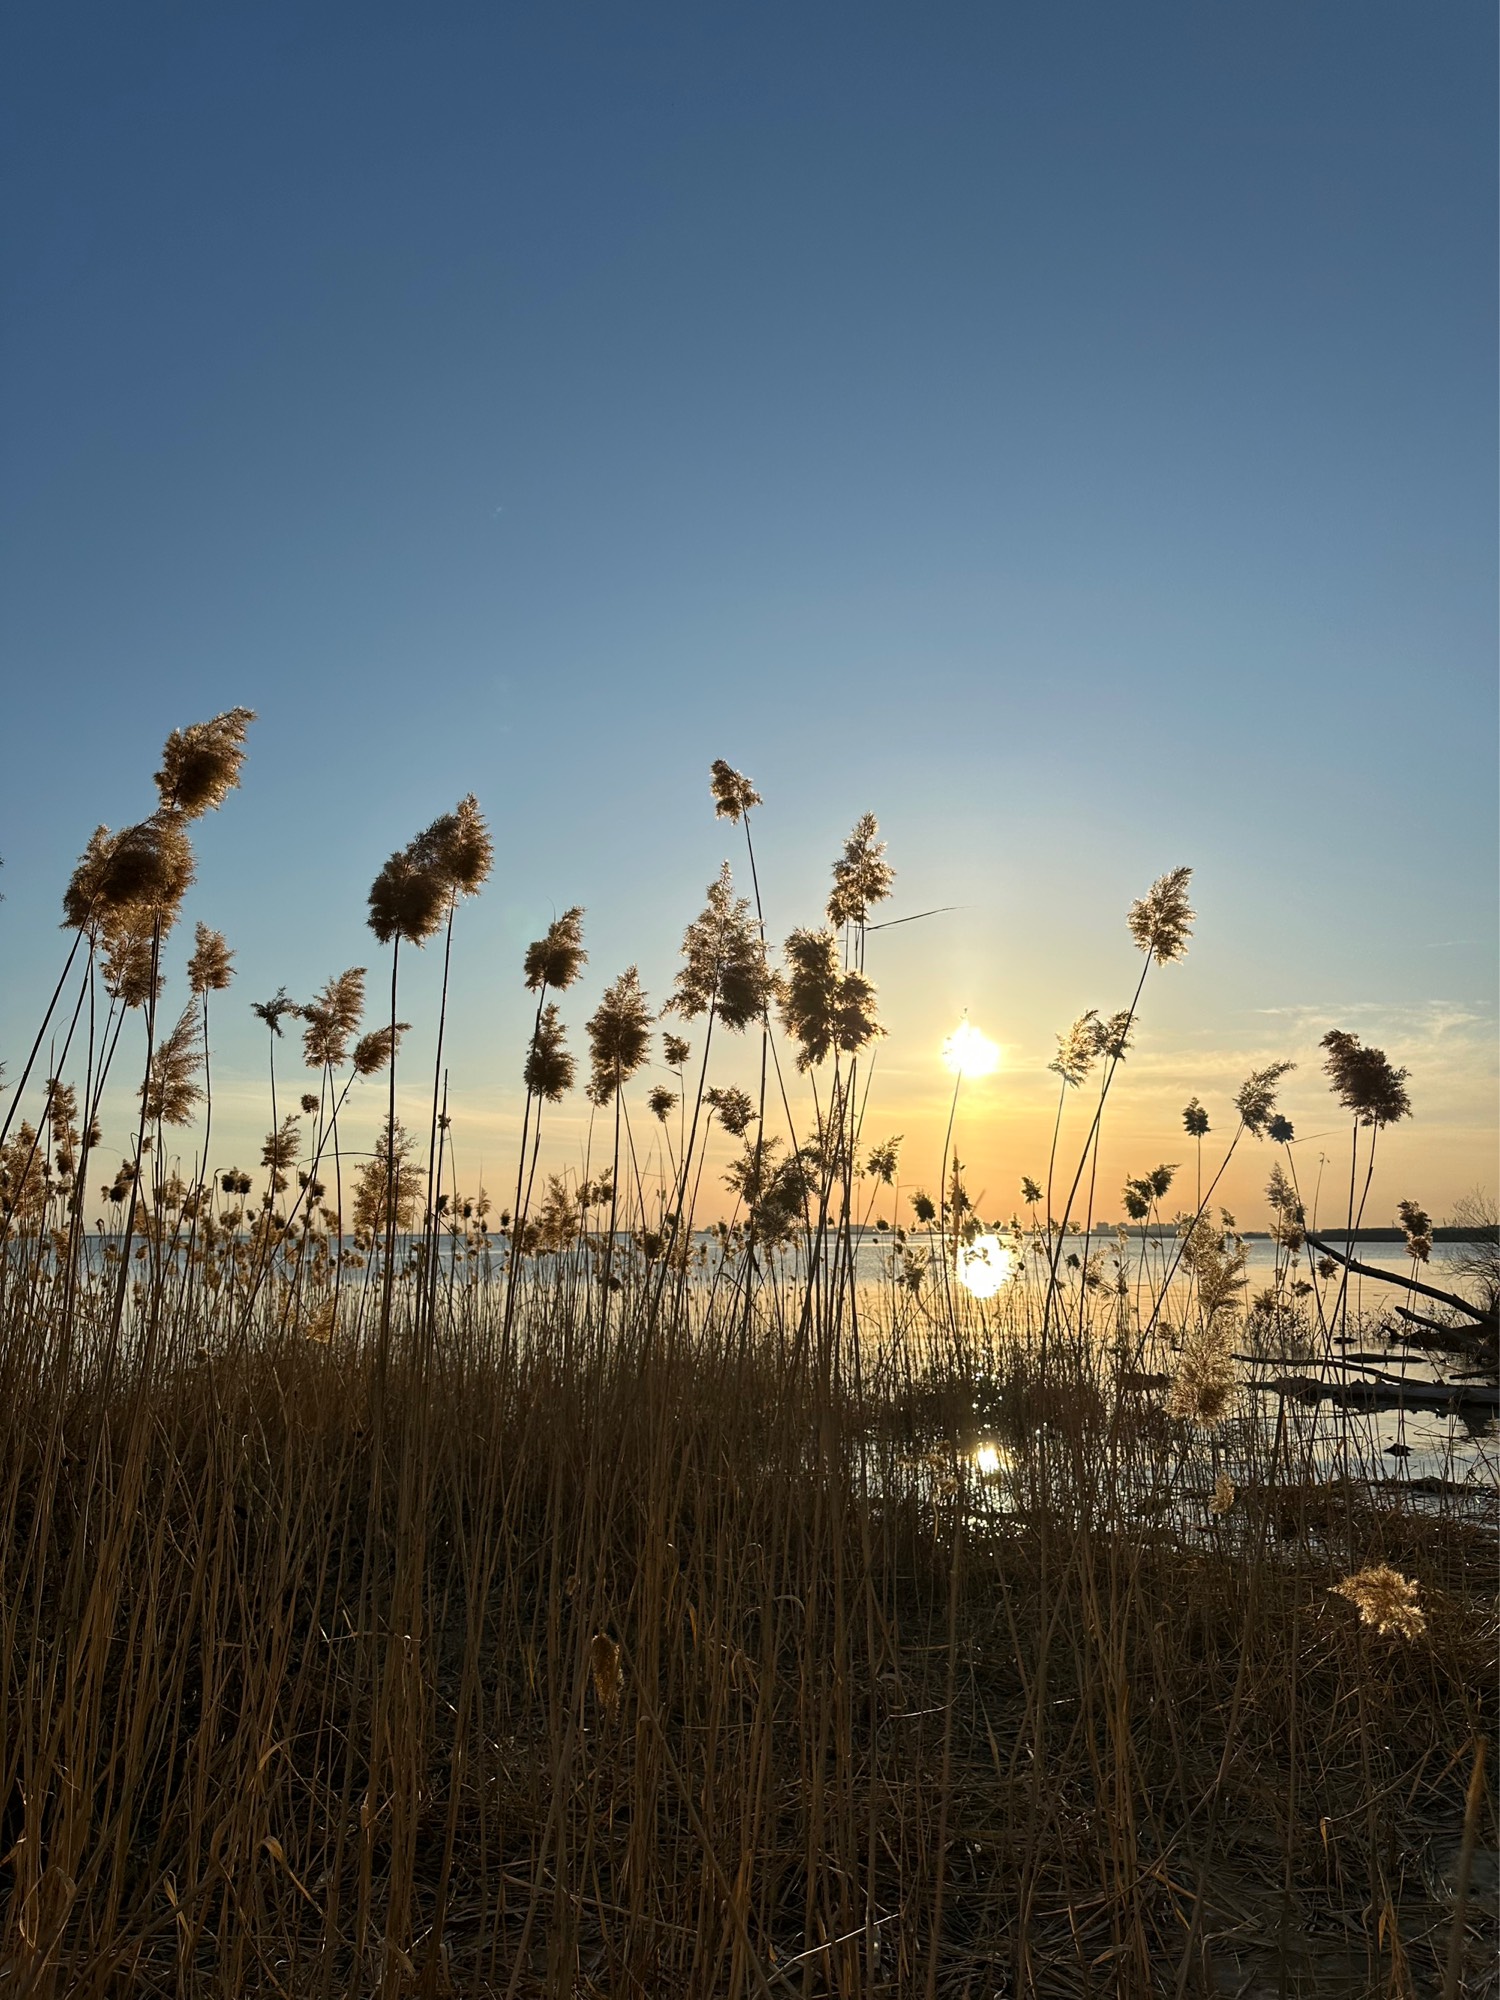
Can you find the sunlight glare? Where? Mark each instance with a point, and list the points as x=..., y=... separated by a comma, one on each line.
x=988, y=1460
x=966, y=1052
x=984, y=1266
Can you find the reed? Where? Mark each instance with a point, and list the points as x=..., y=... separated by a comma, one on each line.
x=577, y=1602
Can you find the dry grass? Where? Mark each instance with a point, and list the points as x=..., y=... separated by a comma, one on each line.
x=682, y=1664
x=588, y=1613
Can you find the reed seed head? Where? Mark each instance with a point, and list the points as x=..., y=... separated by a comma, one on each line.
x=862, y=876
x=129, y=954
x=332, y=1018
x=1385, y=1599
x=1417, y=1224
x=171, y=1090
x=1255, y=1100
x=373, y=1051
x=549, y=1067
x=281, y=1147
x=275, y=1010
x=376, y=1185
x=619, y=1032
x=1195, y=1120
x=144, y=868
x=606, y=1671
x=1161, y=922
x=1203, y=1382
x=320, y=1323
x=675, y=1051
x=1113, y=1037
x=732, y=1107
x=724, y=968
x=200, y=765
x=210, y=968
x=1364, y=1080
x=733, y=793
x=1282, y=1196
x=458, y=847
x=775, y=1192
x=557, y=959
x=408, y=899
x=824, y=1007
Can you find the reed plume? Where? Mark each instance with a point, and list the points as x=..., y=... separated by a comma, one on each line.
x=724, y=970
x=552, y=962
x=1204, y=1380
x=1417, y=1226
x=823, y=1006
x=332, y=1016
x=1386, y=1600
x=1365, y=1081
x=549, y=1068
x=1161, y=921
x=200, y=765
x=373, y=1051
x=211, y=966
x=604, y=1667
x=1077, y=1050
x=862, y=877
x=457, y=847
x=556, y=959
x=1255, y=1100
x=129, y=964
x=733, y=793
x=619, y=1032
x=172, y=1091
x=144, y=870
x=408, y=900
x=734, y=1108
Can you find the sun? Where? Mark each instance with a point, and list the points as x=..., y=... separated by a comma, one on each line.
x=968, y=1053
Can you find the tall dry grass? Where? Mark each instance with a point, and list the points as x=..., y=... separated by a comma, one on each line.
x=414, y=1602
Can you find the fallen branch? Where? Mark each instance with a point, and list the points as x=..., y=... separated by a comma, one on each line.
x=1452, y=1299
x=1388, y=1396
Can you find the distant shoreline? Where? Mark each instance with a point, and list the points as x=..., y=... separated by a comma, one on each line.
x=1334, y=1233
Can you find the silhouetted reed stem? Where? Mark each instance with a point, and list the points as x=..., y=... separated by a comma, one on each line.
x=430, y=1222
x=41, y=1032
x=393, y=1177
x=1083, y=1160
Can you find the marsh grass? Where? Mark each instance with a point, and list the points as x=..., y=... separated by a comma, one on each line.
x=590, y=1609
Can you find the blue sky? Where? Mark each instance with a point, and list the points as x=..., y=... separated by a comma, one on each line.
x=1067, y=431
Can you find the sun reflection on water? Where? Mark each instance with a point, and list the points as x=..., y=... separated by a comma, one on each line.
x=985, y=1265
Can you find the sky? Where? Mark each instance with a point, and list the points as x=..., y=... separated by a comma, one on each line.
x=1066, y=431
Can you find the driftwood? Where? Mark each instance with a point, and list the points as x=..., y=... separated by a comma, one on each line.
x=1389, y=1394
x=1465, y=1306
x=1367, y=1364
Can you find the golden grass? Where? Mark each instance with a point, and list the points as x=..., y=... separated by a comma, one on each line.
x=591, y=1612
x=690, y=1664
